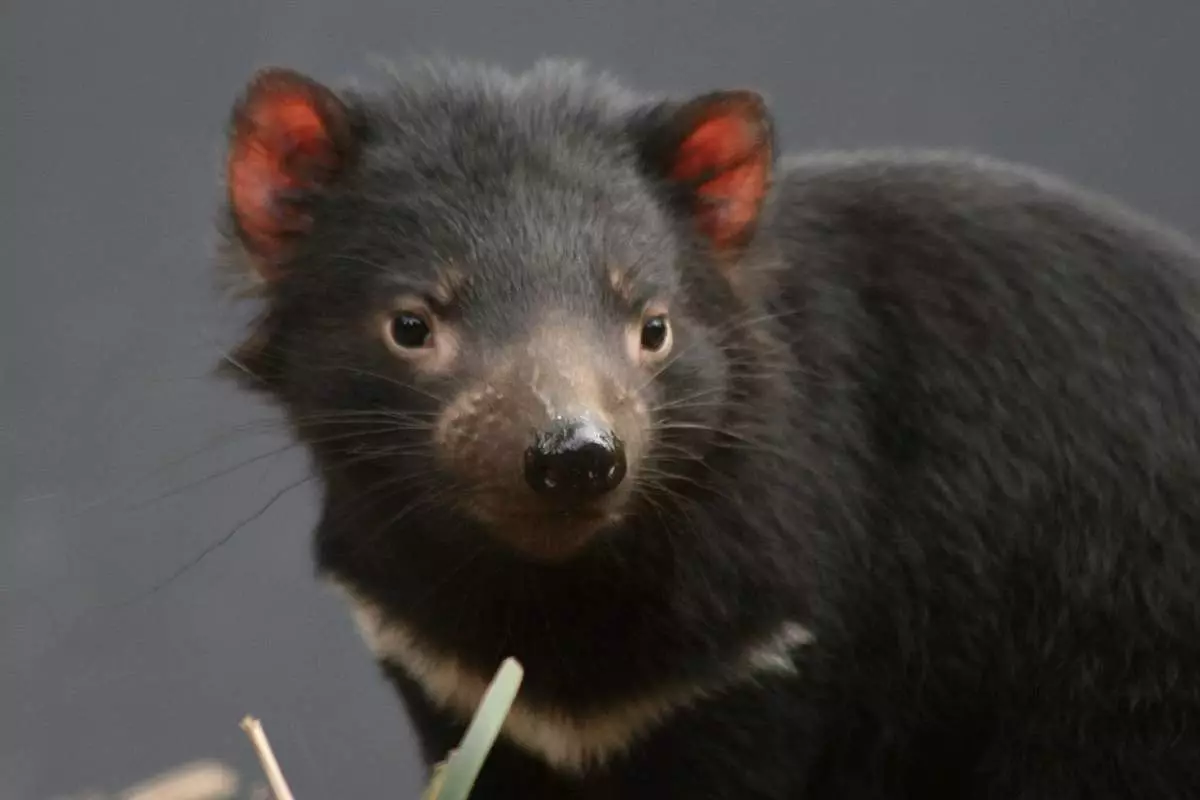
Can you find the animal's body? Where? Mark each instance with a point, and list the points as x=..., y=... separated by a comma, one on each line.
x=838, y=476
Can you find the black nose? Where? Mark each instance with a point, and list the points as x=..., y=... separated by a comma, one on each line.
x=575, y=460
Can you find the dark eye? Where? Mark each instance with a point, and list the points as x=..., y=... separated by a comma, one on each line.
x=409, y=331
x=654, y=333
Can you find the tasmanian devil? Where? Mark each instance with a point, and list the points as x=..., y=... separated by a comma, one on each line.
x=863, y=475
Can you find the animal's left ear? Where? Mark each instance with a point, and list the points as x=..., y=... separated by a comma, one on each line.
x=716, y=153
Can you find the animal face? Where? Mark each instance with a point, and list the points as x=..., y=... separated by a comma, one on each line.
x=492, y=298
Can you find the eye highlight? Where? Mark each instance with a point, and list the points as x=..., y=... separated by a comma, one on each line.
x=656, y=330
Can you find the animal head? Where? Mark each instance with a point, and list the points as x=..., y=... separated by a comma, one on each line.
x=517, y=299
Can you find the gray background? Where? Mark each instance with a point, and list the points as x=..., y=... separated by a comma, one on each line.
x=110, y=670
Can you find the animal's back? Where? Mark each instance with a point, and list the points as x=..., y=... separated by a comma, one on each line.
x=1004, y=373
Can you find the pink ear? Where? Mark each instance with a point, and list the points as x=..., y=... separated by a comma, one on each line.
x=289, y=135
x=724, y=154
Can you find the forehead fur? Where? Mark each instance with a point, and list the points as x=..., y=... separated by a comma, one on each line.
x=485, y=167
x=551, y=98
x=461, y=123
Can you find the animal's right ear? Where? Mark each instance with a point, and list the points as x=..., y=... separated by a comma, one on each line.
x=289, y=138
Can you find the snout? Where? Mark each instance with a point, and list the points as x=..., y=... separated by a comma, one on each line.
x=575, y=460
x=545, y=444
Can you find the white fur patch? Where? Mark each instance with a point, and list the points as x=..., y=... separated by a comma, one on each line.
x=568, y=742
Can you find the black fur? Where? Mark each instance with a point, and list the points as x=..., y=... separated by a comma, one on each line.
x=945, y=415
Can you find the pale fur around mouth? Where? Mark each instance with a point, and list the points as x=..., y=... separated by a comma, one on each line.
x=571, y=743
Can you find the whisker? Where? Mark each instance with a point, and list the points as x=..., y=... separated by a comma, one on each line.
x=239, y=431
x=354, y=370
x=213, y=476
x=253, y=460
x=675, y=425
x=425, y=499
x=387, y=379
x=682, y=402
x=665, y=477
x=210, y=548
x=670, y=446
x=730, y=327
x=363, y=508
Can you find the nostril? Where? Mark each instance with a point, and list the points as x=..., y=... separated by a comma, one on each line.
x=575, y=460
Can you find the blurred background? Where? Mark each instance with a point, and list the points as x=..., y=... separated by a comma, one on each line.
x=122, y=460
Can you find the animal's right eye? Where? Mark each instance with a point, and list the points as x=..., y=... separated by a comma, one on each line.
x=409, y=331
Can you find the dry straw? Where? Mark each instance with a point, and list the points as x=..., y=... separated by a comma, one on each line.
x=454, y=777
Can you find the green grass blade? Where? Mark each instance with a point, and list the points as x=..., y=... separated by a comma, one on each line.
x=454, y=779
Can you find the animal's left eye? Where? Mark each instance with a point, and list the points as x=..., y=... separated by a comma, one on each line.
x=409, y=331
x=655, y=331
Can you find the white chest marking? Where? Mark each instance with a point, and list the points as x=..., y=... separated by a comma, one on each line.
x=566, y=741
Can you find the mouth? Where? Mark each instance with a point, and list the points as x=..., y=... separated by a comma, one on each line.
x=541, y=532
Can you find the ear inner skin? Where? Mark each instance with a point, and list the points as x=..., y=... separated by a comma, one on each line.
x=723, y=160
x=289, y=136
